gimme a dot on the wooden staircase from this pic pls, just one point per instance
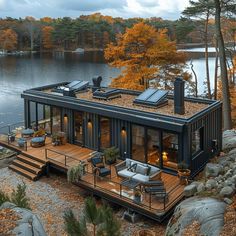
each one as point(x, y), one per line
point(28, 166)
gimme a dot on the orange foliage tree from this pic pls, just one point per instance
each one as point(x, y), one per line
point(145, 53)
point(8, 39)
point(47, 37)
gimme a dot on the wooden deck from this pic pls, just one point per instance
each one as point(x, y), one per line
point(68, 155)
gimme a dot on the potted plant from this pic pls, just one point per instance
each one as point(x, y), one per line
point(76, 172)
point(111, 154)
point(183, 172)
point(137, 196)
point(55, 139)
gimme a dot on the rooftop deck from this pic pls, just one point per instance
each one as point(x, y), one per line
point(68, 155)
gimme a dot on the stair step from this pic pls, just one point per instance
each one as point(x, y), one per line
point(34, 158)
point(25, 166)
point(30, 161)
point(23, 172)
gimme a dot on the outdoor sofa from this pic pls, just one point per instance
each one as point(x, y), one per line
point(138, 171)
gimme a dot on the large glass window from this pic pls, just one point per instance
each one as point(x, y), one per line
point(78, 127)
point(33, 115)
point(153, 147)
point(170, 150)
point(104, 132)
point(138, 143)
point(56, 119)
point(197, 140)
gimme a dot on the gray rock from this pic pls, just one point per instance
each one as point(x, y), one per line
point(232, 152)
point(28, 224)
point(224, 162)
point(228, 174)
point(208, 211)
point(227, 191)
point(228, 201)
point(190, 190)
point(212, 183)
point(229, 139)
point(213, 170)
point(201, 187)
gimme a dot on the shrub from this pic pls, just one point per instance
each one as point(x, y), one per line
point(3, 197)
point(18, 196)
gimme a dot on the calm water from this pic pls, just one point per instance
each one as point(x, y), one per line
point(18, 73)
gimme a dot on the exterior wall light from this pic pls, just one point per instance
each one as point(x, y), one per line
point(165, 156)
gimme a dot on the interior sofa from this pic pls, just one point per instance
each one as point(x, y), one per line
point(138, 171)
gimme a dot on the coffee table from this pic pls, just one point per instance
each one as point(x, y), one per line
point(129, 183)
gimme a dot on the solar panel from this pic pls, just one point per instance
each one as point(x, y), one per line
point(157, 96)
point(152, 98)
point(146, 94)
point(80, 85)
point(73, 83)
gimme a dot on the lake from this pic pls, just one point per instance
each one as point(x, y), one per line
point(21, 72)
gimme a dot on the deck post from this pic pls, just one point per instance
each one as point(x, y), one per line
point(150, 200)
point(94, 180)
point(46, 156)
point(164, 202)
point(47, 170)
point(65, 160)
point(25, 145)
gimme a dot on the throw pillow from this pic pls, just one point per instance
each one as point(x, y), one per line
point(148, 170)
point(141, 169)
point(132, 168)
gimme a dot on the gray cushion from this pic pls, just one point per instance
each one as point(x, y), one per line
point(141, 169)
point(127, 162)
point(125, 173)
point(141, 178)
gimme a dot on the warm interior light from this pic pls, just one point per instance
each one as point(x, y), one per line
point(123, 131)
point(164, 156)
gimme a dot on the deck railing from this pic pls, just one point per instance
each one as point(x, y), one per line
point(60, 157)
point(114, 188)
point(11, 134)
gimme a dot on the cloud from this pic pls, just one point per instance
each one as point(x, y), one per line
point(90, 5)
point(167, 9)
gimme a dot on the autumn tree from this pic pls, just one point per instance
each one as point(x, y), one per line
point(47, 37)
point(8, 39)
point(202, 9)
point(145, 53)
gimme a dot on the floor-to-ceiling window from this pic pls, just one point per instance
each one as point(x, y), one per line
point(33, 115)
point(170, 150)
point(56, 119)
point(138, 143)
point(153, 147)
point(78, 127)
point(105, 139)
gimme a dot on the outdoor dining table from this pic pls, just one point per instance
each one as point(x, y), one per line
point(27, 132)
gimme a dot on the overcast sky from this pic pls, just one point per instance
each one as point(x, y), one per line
point(167, 9)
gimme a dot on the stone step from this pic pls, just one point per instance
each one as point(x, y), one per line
point(30, 161)
point(25, 166)
point(23, 172)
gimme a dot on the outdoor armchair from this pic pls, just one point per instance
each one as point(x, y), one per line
point(98, 166)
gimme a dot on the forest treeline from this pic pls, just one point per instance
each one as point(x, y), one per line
point(95, 31)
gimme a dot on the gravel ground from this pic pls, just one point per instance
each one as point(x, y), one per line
point(51, 197)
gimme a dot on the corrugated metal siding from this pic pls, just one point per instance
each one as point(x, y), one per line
point(212, 129)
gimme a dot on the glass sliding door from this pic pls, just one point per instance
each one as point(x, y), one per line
point(153, 147)
point(56, 119)
point(47, 119)
point(138, 143)
point(78, 127)
point(170, 150)
point(105, 139)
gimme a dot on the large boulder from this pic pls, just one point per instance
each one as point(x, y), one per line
point(227, 192)
point(28, 224)
point(208, 212)
point(229, 139)
point(213, 170)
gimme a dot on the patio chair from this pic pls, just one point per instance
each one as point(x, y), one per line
point(98, 166)
point(38, 141)
point(157, 188)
